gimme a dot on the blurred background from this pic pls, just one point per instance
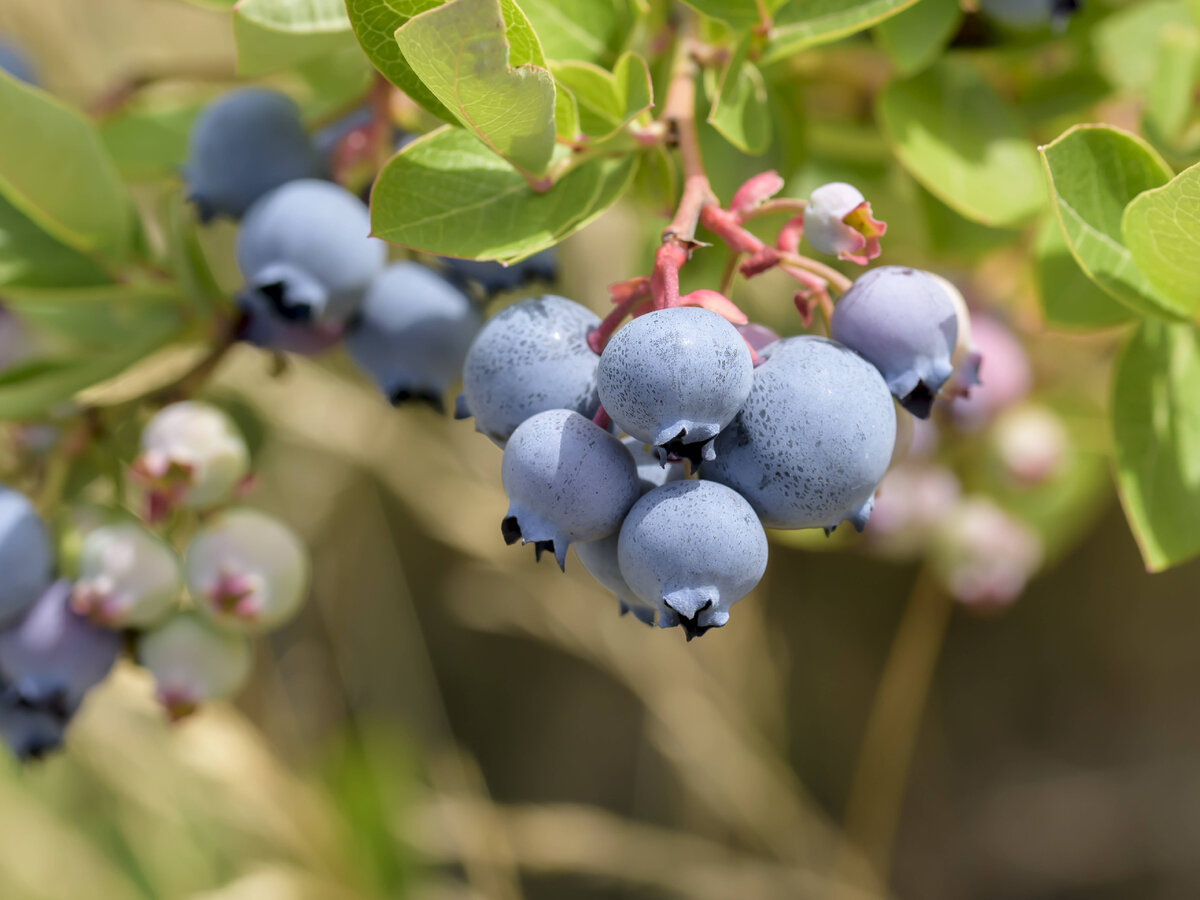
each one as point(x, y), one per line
point(449, 720)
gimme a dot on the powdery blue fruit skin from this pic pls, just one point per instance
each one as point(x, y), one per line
point(412, 334)
point(263, 326)
point(904, 323)
point(530, 357)
point(692, 549)
point(675, 377)
point(495, 278)
point(567, 479)
point(305, 246)
point(26, 558)
point(600, 560)
point(651, 470)
point(29, 733)
point(52, 656)
point(244, 144)
point(813, 440)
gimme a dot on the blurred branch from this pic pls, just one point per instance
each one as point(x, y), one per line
point(878, 785)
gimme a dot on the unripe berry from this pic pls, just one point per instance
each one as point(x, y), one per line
point(192, 455)
point(1031, 443)
point(812, 440)
point(53, 656)
point(306, 248)
point(26, 558)
point(904, 323)
point(127, 577)
point(247, 570)
point(192, 662)
point(692, 549)
point(983, 555)
point(413, 333)
point(674, 378)
point(246, 143)
point(567, 479)
point(912, 502)
point(530, 357)
point(838, 221)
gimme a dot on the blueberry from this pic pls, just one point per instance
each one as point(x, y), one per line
point(1030, 14)
point(193, 662)
point(305, 248)
point(530, 357)
point(244, 144)
point(904, 323)
point(247, 570)
point(30, 733)
point(263, 326)
point(674, 378)
point(756, 335)
point(53, 656)
point(16, 62)
point(600, 560)
point(192, 455)
point(493, 277)
point(26, 557)
point(813, 439)
point(692, 549)
point(127, 577)
point(413, 333)
point(567, 479)
point(650, 469)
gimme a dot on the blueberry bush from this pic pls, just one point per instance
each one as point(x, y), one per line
point(896, 278)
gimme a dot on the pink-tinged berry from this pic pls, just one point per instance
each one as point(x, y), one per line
point(127, 577)
point(983, 555)
point(192, 662)
point(910, 504)
point(192, 455)
point(1031, 443)
point(1005, 375)
point(838, 221)
point(247, 570)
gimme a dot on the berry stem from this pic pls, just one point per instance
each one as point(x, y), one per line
point(602, 417)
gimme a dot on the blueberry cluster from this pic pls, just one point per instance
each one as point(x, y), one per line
point(727, 430)
point(313, 275)
point(187, 620)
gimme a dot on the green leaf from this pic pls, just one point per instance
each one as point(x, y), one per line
point(656, 185)
point(1156, 440)
point(459, 51)
point(807, 23)
point(278, 34)
point(1162, 230)
point(1126, 42)
point(963, 143)
point(588, 30)
point(607, 101)
point(1169, 102)
point(741, 14)
point(1070, 300)
point(916, 37)
point(1095, 170)
point(566, 114)
point(445, 193)
point(148, 137)
point(53, 168)
point(334, 82)
point(739, 108)
point(29, 256)
point(100, 317)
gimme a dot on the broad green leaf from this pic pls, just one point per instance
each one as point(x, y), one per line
point(148, 137)
point(607, 101)
point(739, 109)
point(445, 193)
point(963, 143)
point(1126, 42)
point(1162, 230)
point(806, 23)
point(101, 317)
point(278, 34)
point(588, 30)
point(566, 114)
point(29, 256)
point(1169, 100)
point(375, 23)
point(741, 14)
point(1070, 300)
point(1095, 170)
point(53, 168)
point(914, 38)
point(335, 82)
point(657, 181)
point(1156, 440)
point(459, 51)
